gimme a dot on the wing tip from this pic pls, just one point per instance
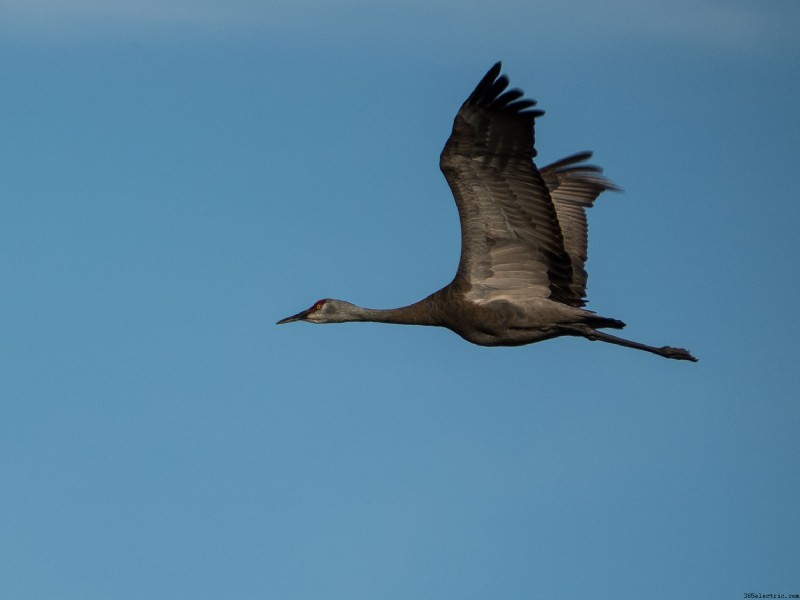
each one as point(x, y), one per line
point(575, 167)
point(491, 93)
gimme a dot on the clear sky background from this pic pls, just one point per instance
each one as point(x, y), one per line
point(176, 176)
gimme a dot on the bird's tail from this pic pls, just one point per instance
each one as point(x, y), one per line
point(598, 322)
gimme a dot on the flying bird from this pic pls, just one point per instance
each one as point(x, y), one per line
point(521, 278)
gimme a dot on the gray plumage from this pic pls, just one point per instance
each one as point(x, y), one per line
point(521, 278)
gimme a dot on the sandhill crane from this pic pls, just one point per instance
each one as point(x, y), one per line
point(521, 278)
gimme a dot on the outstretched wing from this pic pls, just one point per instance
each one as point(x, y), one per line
point(512, 247)
point(574, 186)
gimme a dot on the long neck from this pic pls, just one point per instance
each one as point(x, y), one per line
point(420, 313)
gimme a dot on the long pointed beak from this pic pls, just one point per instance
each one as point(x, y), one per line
point(298, 317)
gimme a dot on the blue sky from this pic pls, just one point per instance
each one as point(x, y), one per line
point(177, 176)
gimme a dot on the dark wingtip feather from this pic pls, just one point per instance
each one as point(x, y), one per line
point(509, 97)
point(491, 93)
point(485, 83)
point(497, 88)
point(575, 166)
point(523, 105)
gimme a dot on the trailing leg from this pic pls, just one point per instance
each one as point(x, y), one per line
point(594, 335)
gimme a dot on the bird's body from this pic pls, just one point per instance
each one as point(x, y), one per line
point(521, 278)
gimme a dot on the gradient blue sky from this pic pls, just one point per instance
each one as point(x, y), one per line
point(176, 176)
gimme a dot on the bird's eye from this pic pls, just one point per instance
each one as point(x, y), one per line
point(319, 305)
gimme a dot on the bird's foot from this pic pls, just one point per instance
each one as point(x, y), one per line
point(677, 353)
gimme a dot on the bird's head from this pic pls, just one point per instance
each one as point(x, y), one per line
point(327, 310)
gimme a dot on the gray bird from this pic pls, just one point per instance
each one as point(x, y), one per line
point(521, 278)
